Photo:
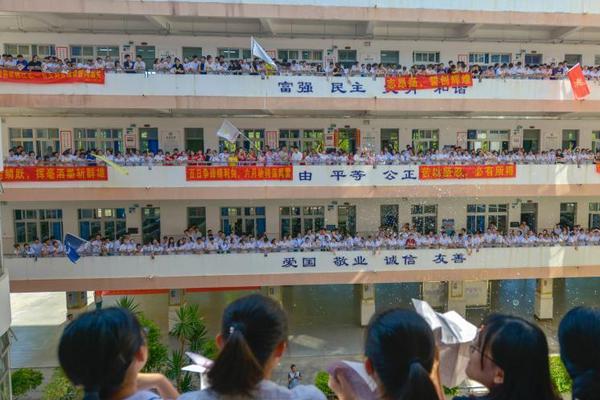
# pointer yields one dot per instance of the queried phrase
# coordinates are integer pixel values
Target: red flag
(579, 85)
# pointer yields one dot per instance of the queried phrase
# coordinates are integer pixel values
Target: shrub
(559, 375)
(322, 383)
(158, 353)
(24, 380)
(60, 387)
(209, 349)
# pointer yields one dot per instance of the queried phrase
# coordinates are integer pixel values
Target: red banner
(53, 174)
(430, 172)
(581, 90)
(75, 76)
(420, 82)
(243, 173)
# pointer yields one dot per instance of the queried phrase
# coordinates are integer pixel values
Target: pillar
(274, 292)
(457, 300)
(76, 304)
(176, 300)
(366, 296)
(463, 294)
(544, 299)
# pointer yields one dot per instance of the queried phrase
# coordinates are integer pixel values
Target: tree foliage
(25, 380)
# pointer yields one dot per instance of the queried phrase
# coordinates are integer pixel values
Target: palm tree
(190, 332)
(129, 303)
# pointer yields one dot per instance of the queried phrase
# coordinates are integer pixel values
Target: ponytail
(419, 385)
(236, 371)
(252, 328)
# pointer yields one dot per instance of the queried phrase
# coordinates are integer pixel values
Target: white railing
(305, 268)
(330, 176)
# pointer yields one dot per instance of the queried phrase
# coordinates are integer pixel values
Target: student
(253, 337)
(510, 358)
(579, 338)
(294, 377)
(103, 351)
(400, 356)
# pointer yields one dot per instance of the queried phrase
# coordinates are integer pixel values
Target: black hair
(97, 348)
(579, 338)
(252, 328)
(401, 348)
(520, 349)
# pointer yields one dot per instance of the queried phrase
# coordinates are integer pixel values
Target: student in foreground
(510, 358)
(400, 357)
(103, 351)
(579, 338)
(253, 338)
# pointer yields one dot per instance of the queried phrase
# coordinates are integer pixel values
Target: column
(366, 296)
(544, 299)
(274, 292)
(76, 304)
(176, 300)
(456, 297)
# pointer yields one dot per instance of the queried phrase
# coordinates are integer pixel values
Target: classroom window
(42, 141)
(41, 224)
(243, 220)
(301, 219)
(106, 222)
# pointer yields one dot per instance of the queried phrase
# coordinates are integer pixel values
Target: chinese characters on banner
(75, 76)
(341, 260)
(53, 174)
(420, 82)
(429, 172)
(242, 173)
(579, 85)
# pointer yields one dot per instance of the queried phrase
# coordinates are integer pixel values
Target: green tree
(129, 304)
(210, 349)
(61, 388)
(190, 332)
(158, 353)
(322, 383)
(25, 380)
(559, 375)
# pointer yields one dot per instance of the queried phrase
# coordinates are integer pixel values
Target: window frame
(99, 216)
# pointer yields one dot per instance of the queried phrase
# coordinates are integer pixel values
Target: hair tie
(414, 361)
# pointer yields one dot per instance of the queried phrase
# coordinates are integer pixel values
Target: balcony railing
(297, 87)
(234, 270)
(298, 176)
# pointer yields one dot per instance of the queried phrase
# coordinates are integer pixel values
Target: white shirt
(265, 390)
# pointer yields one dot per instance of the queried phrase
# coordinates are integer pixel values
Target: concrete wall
(4, 303)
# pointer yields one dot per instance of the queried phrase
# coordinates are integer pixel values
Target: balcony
(297, 268)
(383, 181)
(172, 95)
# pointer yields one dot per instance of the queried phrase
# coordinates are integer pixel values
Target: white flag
(258, 51)
(228, 131)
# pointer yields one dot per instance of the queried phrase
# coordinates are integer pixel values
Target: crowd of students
(103, 351)
(407, 238)
(451, 155)
(254, 66)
